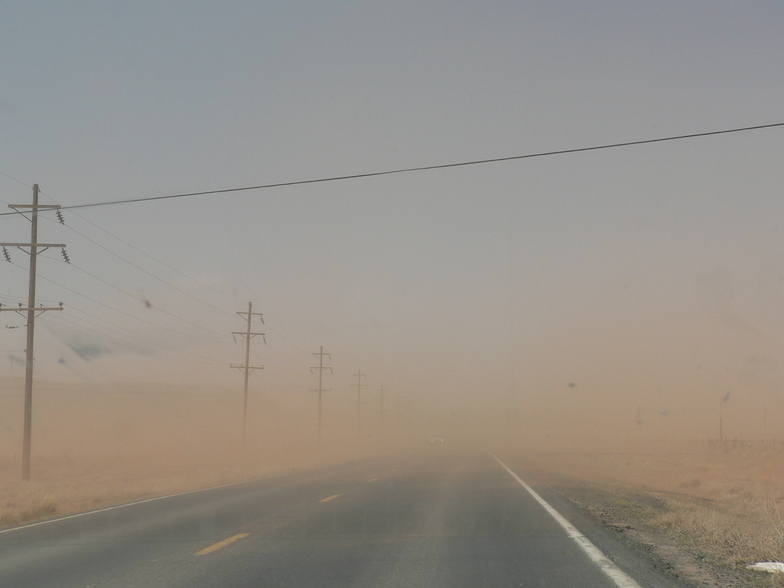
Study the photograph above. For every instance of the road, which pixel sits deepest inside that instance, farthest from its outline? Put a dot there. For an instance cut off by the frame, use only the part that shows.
(436, 520)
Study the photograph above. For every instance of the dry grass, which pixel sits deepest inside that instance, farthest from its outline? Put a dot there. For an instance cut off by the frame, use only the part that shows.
(737, 530)
(36, 510)
(57, 490)
(725, 509)
(737, 539)
(100, 445)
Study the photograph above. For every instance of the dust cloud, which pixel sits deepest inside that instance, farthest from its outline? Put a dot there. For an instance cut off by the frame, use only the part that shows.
(186, 430)
(98, 443)
(95, 444)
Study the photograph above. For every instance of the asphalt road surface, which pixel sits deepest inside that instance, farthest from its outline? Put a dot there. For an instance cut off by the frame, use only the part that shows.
(432, 521)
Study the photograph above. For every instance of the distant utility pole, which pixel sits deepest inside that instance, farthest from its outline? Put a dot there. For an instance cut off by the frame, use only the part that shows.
(247, 368)
(359, 385)
(382, 399)
(33, 248)
(724, 400)
(320, 390)
(397, 412)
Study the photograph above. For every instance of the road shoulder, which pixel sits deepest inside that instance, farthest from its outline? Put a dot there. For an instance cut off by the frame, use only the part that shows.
(633, 516)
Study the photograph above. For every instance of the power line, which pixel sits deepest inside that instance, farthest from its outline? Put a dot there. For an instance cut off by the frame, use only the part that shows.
(152, 275)
(151, 257)
(162, 281)
(149, 305)
(138, 319)
(17, 181)
(277, 332)
(146, 302)
(80, 327)
(423, 168)
(115, 326)
(149, 341)
(283, 355)
(202, 360)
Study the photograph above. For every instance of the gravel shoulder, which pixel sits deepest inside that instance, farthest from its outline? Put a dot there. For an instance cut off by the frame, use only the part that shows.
(703, 516)
(635, 514)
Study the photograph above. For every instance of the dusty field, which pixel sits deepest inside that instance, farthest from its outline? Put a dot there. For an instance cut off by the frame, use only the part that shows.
(60, 487)
(94, 446)
(706, 515)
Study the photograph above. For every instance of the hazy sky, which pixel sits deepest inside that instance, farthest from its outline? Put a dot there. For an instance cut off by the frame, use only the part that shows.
(650, 277)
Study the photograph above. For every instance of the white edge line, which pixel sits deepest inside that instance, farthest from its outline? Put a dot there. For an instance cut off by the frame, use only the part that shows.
(612, 571)
(115, 507)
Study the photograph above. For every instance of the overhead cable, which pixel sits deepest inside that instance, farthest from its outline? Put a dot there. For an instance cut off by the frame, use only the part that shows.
(419, 168)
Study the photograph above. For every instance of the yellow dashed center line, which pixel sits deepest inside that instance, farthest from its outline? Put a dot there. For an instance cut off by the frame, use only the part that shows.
(222, 544)
(372, 479)
(328, 498)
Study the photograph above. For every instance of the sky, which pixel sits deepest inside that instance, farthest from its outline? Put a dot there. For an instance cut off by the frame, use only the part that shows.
(625, 291)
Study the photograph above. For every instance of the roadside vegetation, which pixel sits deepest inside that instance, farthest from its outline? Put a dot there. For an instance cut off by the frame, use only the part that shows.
(63, 487)
(705, 515)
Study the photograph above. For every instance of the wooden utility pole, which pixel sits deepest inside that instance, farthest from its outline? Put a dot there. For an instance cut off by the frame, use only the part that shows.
(382, 399)
(33, 248)
(724, 400)
(321, 367)
(247, 368)
(397, 412)
(359, 385)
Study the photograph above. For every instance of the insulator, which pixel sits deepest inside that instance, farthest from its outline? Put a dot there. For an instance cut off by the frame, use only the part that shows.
(6, 255)
(65, 255)
(60, 217)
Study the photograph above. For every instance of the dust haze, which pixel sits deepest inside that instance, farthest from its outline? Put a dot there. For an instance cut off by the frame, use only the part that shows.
(587, 303)
(630, 354)
(596, 384)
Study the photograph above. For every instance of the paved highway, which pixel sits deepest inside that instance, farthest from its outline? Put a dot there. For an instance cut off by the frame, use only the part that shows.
(430, 521)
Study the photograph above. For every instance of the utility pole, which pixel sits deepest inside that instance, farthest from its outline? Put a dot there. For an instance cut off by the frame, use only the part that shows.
(247, 368)
(724, 400)
(382, 399)
(359, 385)
(397, 412)
(33, 248)
(321, 390)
